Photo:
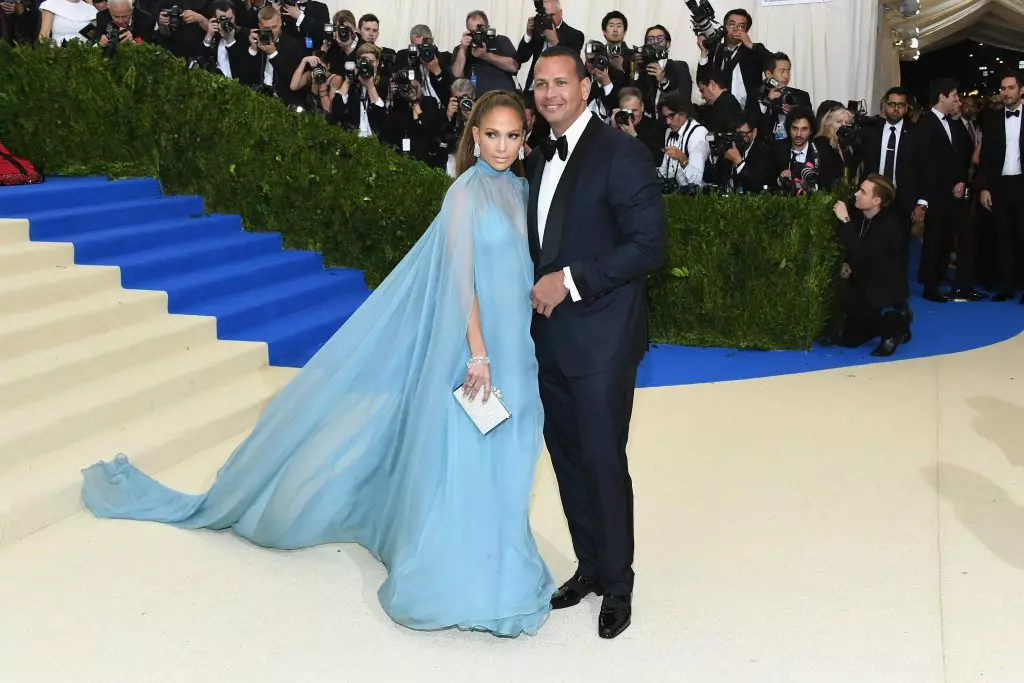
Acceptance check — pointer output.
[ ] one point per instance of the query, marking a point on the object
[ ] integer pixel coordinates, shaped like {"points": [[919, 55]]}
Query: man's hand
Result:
{"points": [[551, 35], [702, 45], [958, 190], [986, 199], [479, 52], [433, 66], [841, 212], [7, 7], [919, 213], [657, 71], [548, 293], [845, 272], [192, 17], [744, 37], [467, 39], [733, 156], [602, 77], [291, 11], [677, 154]]}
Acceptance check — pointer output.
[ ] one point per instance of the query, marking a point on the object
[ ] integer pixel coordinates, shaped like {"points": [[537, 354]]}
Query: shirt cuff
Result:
{"points": [[253, 52], [272, 54], [379, 102], [302, 18], [527, 37], [703, 61], [921, 202], [739, 166], [608, 88], [571, 285]]}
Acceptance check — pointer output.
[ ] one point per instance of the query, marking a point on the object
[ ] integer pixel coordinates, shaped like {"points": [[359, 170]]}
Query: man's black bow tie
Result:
{"points": [[947, 118], [561, 145], [1012, 113]]}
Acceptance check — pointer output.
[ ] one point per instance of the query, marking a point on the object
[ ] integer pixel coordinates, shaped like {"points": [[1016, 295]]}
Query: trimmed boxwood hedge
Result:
{"points": [[742, 271]]}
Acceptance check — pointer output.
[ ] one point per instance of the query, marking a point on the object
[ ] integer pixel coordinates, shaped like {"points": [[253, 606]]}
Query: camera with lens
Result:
{"points": [[266, 36], [427, 52], [225, 24], [849, 135], [466, 103], [403, 85], [597, 55], [702, 20], [364, 68], [623, 117], [113, 33], [414, 56], [320, 74], [542, 21], [485, 37], [616, 49], [173, 17], [649, 54], [720, 143], [803, 183], [328, 32], [343, 34]]}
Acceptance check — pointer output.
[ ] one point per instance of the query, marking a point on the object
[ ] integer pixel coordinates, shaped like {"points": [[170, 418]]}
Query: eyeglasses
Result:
{"points": [[656, 39], [896, 105], [735, 24]]}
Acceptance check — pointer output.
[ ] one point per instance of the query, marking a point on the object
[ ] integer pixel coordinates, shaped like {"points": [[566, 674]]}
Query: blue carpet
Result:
{"points": [[258, 292]]}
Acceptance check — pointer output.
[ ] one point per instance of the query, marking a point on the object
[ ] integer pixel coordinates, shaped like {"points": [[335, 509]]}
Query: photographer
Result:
{"points": [[739, 59], [873, 285], [606, 80], [314, 81], [414, 121], [686, 146], [487, 59], [722, 109], [795, 160], [777, 98], [746, 166], [341, 42], [18, 21], [614, 26], [121, 22], [655, 74], [181, 27], [271, 60], [838, 142], [304, 20], [432, 67], [358, 104], [454, 119], [226, 43], [543, 30], [629, 118]]}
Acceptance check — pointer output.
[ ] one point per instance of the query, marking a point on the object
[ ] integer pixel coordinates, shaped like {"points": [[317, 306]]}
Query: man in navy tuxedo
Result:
{"points": [[596, 228]]}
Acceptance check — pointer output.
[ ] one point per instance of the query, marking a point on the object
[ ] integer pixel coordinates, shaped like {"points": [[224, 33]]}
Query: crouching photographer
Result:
{"points": [[358, 104], [453, 122], [414, 120], [629, 118], [743, 163], [122, 22]]}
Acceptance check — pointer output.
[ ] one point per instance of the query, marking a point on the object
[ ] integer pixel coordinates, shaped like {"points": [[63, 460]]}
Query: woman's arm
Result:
{"points": [[46, 26], [478, 375]]}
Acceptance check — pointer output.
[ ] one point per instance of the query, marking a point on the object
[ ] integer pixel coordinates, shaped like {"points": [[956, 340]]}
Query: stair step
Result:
{"points": [[60, 368], [24, 257], [77, 320], [70, 192], [44, 286], [13, 230], [195, 256], [237, 312], [188, 290], [85, 219], [46, 489], [60, 419], [104, 246], [287, 337]]}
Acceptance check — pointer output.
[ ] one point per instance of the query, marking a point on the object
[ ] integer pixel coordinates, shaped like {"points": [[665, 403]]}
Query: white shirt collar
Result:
{"points": [[575, 131], [939, 114]]}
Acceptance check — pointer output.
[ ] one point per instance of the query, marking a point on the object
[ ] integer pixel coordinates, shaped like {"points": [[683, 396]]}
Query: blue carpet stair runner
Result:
{"points": [[207, 264]]}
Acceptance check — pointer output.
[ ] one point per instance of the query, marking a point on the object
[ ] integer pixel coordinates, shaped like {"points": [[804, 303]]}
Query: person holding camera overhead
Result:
{"points": [[543, 30], [739, 59], [487, 59], [271, 59], [431, 66], [358, 104]]}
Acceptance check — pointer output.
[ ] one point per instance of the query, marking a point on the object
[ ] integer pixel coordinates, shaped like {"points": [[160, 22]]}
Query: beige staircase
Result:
{"points": [[89, 370]]}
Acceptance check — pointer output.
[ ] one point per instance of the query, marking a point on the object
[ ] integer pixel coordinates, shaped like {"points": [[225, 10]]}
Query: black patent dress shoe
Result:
{"points": [[886, 348], [964, 295], [616, 615], [574, 590]]}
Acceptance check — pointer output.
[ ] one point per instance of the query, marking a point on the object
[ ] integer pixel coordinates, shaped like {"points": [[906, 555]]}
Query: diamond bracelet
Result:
{"points": [[478, 360]]}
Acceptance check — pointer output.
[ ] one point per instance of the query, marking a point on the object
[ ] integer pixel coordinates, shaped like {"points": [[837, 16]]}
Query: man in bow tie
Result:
{"points": [[596, 227], [999, 176]]}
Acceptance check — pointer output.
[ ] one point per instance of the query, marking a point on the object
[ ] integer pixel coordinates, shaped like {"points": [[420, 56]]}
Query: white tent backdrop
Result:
{"points": [[943, 22], [833, 44]]}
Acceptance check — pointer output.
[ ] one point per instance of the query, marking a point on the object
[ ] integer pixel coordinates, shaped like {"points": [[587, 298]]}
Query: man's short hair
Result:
{"points": [[884, 189], [367, 18], [614, 14], [221, 6], [712, 75], [797, 113], [463, 85], [668, 36], [1015, 75], [896, 90], [343, 15], [780, 57], [267, 12], [478, 13], [740, 13], [626, 93], [941, 87], [421, 31], [675, 102], [563, 51], [130, 3], [745, 119]]}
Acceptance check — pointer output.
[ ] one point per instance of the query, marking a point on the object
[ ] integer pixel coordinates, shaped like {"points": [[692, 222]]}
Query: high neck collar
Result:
{"points": [[487, 169]]}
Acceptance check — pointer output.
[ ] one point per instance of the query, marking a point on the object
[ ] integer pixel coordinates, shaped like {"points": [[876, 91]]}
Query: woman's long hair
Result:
{"points": [[464, 157]]}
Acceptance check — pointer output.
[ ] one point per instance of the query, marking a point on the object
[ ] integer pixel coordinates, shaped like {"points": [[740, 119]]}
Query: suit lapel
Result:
{"points": [[563, 193], [536, 172]]}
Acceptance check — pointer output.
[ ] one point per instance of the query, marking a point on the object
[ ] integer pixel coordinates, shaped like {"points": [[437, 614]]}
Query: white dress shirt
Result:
{"points": [[738, 87], [1011, 158], [695, 137], [549, 183], [223, 61], [886, 132], [365, 130]]}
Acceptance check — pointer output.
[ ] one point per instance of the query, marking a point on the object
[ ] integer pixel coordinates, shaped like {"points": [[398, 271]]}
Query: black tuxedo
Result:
{"points": [[751, 62], [442, 82], [724, 114], [677, 78], [141, 26], [348, 113], [770, 118], [187, 40], [251, 68], [1007, 195], [755, 172], [567, 37], [941, 164], [904, 175], [606, 222]]}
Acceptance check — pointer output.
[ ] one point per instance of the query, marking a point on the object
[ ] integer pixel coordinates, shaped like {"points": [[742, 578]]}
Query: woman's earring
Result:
{"points": [[476, 150], [522, 154]]}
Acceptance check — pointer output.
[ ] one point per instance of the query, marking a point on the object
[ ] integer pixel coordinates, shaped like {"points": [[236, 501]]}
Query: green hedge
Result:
{"points": [[745, 272]]}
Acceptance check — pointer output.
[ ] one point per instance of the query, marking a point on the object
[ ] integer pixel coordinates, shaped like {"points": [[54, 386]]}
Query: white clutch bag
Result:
{"points": [[486, 416]]}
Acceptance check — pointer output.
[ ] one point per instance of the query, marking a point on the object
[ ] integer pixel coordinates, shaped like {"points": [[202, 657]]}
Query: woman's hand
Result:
{"points": [[478, 377]]}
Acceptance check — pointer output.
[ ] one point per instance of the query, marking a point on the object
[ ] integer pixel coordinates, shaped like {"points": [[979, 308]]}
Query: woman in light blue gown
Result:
{"points": [[367, 444]]}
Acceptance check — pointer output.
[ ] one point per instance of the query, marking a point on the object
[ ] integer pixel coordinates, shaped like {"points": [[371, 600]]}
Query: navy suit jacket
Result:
{"points": [[607, 223]]}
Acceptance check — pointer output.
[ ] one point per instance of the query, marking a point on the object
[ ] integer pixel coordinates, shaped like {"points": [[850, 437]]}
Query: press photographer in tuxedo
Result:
{"points": [[686, 150], [778, 98], [614, 26], [414, 122], [873, 287], [304, 21], [358, 104], [739, 59], [796, 155], [341, 42], [539, 38], [432, 67], [226, 43], [607, 81], [271, 59], [630, 119], [130, 24], [746, 167], [182, 34], [655, 74], [723, 110], [1002, 183]]}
